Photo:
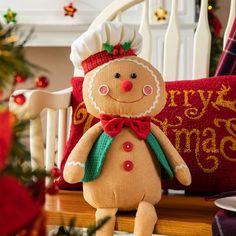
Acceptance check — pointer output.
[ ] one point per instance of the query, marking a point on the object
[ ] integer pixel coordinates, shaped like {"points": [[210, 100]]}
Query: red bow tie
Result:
{"points": [[113, 125]]}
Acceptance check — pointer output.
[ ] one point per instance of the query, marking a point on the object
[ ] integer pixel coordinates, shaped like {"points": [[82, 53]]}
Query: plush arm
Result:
{"points": [[75, 165], [176, 162]]}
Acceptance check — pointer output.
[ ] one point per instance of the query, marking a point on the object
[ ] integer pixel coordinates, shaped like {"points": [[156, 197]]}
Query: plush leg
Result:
{"points": [[145, 219], [108, 228]]}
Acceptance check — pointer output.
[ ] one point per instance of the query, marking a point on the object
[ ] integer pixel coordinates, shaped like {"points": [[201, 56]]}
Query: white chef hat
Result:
{"points": [[109, 41]]}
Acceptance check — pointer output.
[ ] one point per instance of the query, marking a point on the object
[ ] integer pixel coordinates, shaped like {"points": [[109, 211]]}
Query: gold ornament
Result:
{"points": [[161, 14]]}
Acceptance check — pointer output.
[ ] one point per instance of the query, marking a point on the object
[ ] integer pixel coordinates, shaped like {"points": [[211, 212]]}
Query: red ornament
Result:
{"points": [[53, 188], [19, 79], [55, 172], [20, 99], [69, 10], [41, 82]]}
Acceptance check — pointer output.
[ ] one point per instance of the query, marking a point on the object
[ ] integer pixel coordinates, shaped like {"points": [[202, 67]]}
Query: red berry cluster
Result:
{"points": [[19, 79], [53, 188], [118, 50], [41, 82], [20, 99]]}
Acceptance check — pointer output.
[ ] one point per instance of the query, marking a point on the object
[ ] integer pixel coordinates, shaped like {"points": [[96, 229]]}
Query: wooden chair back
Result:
{"points": [[58, 103]]}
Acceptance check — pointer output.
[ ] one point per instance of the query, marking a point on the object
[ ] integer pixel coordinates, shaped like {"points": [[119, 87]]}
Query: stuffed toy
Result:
{"points": [[122, 158]]}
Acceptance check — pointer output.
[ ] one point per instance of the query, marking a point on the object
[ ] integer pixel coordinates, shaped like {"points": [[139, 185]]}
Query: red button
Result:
{"points": [[128, 165], [128, 146]]}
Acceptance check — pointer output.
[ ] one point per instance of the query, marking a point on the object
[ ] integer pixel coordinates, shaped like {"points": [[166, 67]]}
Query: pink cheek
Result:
{"points": [[147, 90], [103, 89]]}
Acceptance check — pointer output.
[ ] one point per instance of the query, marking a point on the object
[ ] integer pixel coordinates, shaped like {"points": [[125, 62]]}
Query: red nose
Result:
{"points": [[126, 86]]}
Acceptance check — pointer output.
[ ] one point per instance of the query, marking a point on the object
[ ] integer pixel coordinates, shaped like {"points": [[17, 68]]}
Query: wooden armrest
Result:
{"points": [[37, 100], [178, 215], [110, 12]]}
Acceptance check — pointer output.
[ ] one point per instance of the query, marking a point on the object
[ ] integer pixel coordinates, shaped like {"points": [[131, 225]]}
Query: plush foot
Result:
{"points": [[145, 219], [108, 228]]}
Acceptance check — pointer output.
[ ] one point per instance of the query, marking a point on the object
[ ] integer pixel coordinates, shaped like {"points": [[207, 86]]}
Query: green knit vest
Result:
{"points": [[96, 157]]}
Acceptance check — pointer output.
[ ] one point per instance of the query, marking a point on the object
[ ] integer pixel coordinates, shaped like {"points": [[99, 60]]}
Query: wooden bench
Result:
{"points": [[178, 215]]}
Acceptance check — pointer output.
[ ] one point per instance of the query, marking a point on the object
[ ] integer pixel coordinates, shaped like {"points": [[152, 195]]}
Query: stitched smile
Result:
{"points": [[125, 101]]}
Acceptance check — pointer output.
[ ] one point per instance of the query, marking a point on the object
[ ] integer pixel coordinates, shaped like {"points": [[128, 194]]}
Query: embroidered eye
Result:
{"points": [[117, 75], [133, 76]]}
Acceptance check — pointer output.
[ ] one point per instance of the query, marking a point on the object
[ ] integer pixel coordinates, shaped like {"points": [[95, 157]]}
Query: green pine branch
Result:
{"points": [[12, 55], [18, 161]]}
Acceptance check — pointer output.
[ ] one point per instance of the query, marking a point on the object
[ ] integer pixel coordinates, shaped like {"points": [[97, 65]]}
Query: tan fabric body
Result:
{"points": [[117, 188], [145, 219], [121, 189]]}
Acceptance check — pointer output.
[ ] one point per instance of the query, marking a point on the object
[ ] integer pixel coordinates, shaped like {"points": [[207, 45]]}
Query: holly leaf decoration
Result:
{"points": [[126, 46], [107, 47]]}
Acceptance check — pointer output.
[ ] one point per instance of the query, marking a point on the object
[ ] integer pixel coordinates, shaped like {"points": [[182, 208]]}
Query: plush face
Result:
{"points": [[129, 87]]}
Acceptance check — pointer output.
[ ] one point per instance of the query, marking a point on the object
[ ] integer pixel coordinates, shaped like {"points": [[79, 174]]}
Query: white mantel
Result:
{"points": [[53, 29], [62, 35], [53, 35]]}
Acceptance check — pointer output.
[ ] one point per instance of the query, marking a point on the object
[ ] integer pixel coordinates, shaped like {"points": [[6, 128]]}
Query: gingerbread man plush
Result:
{"points": [[121, 159]]}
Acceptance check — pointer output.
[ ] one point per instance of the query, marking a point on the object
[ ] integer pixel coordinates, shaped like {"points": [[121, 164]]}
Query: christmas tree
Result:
{"points": [[25, 214], [14, 68], [22, 215]]}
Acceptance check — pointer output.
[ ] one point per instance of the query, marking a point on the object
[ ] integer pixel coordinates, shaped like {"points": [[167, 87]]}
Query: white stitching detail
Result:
{"points": [[179, 167], [75, 163], [124, 59]]}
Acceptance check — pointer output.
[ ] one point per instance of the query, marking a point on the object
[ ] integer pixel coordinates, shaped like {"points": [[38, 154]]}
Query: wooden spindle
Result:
{"points": [[202, 44], [50, 139], [69, 121], [172, 46], [232, 15], [62, 134], [36, 144], [145, 31], [109, 13]]}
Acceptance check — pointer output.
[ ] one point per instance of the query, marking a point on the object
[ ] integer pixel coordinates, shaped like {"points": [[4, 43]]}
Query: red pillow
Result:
{"points": [[199, 119]]}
